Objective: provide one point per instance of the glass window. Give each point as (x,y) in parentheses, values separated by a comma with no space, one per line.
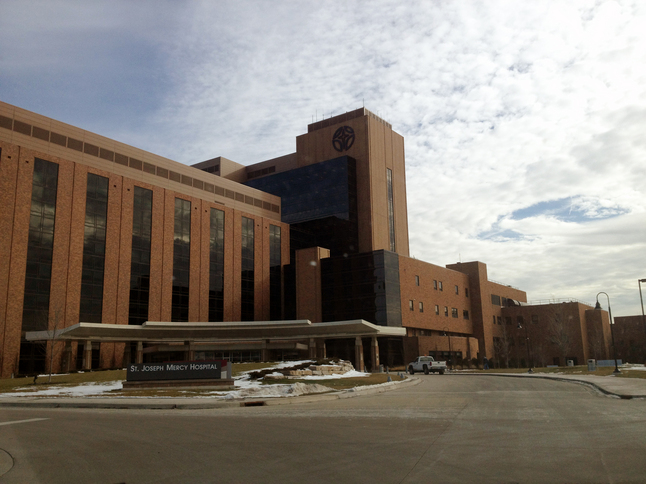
(421,307)
(391,210)
(437,309)
(247,279)
(434,284)
(181,260)
(140,261)
(457,290)
(446,311)
(275,274)
(417,280)
(216,266)
(96,216)
(465,314)
(441,286)
(495,300)
(40,246)
(454,312)
(466,292)
(411,305)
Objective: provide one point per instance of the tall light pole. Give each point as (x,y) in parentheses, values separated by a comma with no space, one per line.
(520,326)
(612,332)
(639,281)
(446,333)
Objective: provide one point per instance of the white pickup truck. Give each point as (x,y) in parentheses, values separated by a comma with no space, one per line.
(428,365)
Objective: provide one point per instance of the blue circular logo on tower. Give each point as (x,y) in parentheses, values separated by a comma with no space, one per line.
(343,138)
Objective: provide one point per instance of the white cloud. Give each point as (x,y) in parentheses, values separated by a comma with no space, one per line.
(503,106)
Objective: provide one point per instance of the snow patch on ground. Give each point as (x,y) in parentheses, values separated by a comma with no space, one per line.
(244,387)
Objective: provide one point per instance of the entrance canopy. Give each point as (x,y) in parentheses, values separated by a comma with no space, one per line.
(160,331)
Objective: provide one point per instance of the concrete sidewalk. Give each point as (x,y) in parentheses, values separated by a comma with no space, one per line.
(621,387)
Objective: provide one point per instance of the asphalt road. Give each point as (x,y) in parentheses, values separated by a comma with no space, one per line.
(464,429)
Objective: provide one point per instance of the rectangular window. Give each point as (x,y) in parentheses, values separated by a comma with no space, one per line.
(465,314)
(454,312)
(247,279)
(142,216)
(437,309)
(535,318)
(275,274)
(466,292)
(421,307)
(411,305)
(499,320)
(434,284)
(391,209)
(216,265)
(457,290)
(40,246)
(495,300)
(441,286)
(417,280)
(96,216)
(520,320)
(181,261)
(446,311)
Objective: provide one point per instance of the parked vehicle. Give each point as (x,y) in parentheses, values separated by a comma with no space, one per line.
(427,364)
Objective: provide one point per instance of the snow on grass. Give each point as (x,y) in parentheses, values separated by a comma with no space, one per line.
(244,386)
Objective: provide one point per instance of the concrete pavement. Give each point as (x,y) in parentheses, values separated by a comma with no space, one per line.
(625,388)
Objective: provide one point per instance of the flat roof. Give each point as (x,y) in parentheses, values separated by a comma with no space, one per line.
(161,331)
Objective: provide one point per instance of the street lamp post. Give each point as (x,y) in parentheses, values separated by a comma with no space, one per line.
(446,333)
(612,332)
(520,326)
(639,281)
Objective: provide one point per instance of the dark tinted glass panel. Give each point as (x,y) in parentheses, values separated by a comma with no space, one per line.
(96,216)
(275,279)
(140,261)
(247,280)
(40,246)
(364,286)
(216,266)
(319,202)
(181,260)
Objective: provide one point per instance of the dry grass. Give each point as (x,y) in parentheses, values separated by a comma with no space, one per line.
(72,379)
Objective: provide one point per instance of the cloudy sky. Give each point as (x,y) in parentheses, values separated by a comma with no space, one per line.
(524,122)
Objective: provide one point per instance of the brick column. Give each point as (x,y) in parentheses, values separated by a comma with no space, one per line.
(358,354)
(140,352)
(264,351)
(320,350)
(87,355)
(312,348)
(374,354)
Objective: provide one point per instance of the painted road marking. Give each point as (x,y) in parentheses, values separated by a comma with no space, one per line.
(22,421)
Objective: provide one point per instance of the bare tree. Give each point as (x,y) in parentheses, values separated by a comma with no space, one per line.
(596,343)
(54,350)
(560,332)
(503,344)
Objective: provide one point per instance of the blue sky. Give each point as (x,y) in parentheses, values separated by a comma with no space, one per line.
(524,122)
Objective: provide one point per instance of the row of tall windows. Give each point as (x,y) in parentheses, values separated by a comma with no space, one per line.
(142,216)
(216,269)
(275,279)
(96,217)
(391,210)
(181,260)
(40,247)
(247,279)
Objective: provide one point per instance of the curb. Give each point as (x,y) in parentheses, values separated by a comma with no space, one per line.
(151,404)
(623,396)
